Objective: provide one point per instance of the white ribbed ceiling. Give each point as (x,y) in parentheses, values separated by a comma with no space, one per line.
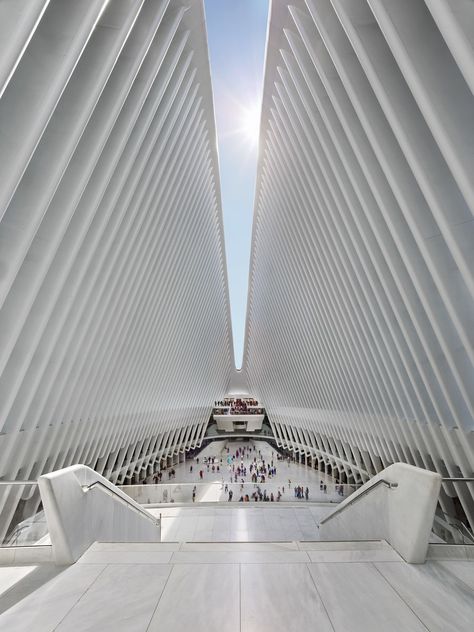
(114,325)
(360,321)
(115,333)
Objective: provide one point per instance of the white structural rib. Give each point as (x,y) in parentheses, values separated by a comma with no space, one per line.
(360,321)
(115,333)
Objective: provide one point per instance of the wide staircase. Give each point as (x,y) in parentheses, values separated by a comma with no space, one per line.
(368,560)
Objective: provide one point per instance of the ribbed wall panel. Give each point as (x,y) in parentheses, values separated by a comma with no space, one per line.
(115,333)
(360,321)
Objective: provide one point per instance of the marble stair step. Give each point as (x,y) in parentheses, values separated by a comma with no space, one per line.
(239,552)
(366,545)
(337,586)
(450,552)
(38,554)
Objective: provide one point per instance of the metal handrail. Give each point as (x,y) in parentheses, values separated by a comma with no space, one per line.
(130,503)
(15,534)
(457,480)
(363,493)
(18,483)
(466,534)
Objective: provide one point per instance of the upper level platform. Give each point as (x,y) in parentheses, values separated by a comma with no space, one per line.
(238,413)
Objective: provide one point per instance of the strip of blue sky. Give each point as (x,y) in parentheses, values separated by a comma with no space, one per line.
(236,34)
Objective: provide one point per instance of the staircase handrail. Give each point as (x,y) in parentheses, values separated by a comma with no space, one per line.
(129,503)
(351,500)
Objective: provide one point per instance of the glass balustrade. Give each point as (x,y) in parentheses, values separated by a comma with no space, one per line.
(22,519)
(451,525)
(215,492)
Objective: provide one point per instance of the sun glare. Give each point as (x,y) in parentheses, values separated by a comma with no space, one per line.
(250,124)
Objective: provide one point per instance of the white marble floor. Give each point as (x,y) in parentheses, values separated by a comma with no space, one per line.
(247,587)
(247,522)
(243,567)
(288,475)
(262,522)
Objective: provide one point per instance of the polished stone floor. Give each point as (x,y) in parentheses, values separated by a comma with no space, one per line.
(291,519)
(247,587)
(288,475)
(243,567)
(262,522)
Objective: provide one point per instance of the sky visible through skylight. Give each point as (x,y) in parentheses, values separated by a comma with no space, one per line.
(236,34)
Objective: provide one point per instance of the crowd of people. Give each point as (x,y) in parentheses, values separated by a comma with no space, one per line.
(157,476)
(237,406)
(237,401)
(245,472)
(212,464)
(260,472)
(300,492)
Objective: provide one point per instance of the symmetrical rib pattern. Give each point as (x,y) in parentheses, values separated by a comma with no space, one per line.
(360,322)
(115,334)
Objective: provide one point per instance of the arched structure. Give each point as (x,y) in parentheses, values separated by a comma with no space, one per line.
(359,337)
(115,333)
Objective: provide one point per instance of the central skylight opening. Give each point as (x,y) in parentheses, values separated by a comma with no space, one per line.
(236,35)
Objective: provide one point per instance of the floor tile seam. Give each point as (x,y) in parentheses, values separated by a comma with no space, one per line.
(80,597)
(159,599)
(234,562)
(201,563)
(242,549)
(264,563)
(139,550)
(400,561)
(121,562)
(246,541)
(353,561)
(387,581)
(321,599)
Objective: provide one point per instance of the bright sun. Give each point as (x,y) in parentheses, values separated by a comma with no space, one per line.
(250,124)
